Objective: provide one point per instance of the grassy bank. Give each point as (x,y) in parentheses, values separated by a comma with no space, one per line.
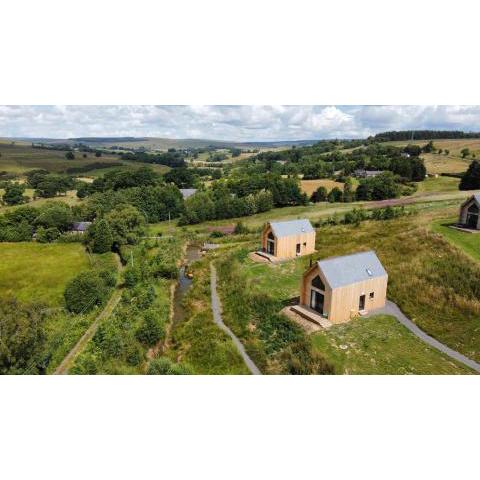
(197,341)
(381,346)
(468,242)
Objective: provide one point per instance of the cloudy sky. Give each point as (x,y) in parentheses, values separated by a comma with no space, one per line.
(235,123)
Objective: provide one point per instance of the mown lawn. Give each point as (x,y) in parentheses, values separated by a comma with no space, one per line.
(380,345)
(468,242)
(34,272)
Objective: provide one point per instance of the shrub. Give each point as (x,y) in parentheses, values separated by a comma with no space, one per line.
(164,366)
(85,291)
(152,329)
(47,235)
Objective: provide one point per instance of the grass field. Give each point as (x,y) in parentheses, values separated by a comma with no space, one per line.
(380,345)
(438,185)
(70,199)
(434,283)
(35,272)
(468,242)
(309,186)
(21,157)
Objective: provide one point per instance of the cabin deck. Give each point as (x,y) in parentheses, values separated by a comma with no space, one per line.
(311,315)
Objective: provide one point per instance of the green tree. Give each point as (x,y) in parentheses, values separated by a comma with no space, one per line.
(471,178)
(47,235)
(98,154)
(126,224)
(348,194)
(100,236)
(70,155)
(335,195)
(22,337)
(319,195)
(465,152)
(14,194)
(85,291)
(152,329)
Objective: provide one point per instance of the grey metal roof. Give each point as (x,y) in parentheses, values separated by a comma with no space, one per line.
(187,192)
(475,196)
(340,271)
(291,227)
(81,226)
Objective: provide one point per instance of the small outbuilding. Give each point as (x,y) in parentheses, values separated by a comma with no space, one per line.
(281,240)
(470,213)
(80,227)
(340,288)
(188,192)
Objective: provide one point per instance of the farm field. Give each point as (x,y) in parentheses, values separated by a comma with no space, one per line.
(438,185)
(380,345)
(70,198)
(35,272)
(309,186)
(19,158)
(468,242)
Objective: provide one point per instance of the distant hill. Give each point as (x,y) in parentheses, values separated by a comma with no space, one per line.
(152,143)
(422,135)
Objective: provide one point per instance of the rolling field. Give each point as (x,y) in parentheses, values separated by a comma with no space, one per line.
(438,185)
(309,186)
(19,158)
(468,242)
(70,199)
(35,272)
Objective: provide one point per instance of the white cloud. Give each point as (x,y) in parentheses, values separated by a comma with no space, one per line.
(237,123)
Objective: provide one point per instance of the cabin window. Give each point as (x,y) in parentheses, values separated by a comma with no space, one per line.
(372,295)
(298,248)
(317,283)
(304,244)
(473,208)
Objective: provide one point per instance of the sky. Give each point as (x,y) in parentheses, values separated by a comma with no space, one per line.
(231,123)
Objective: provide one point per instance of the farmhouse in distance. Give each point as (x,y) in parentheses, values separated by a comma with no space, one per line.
(340,288)
(292,238)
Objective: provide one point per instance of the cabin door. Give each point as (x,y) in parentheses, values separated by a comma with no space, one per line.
(271,247)
(316,301)
(361,303)
(298,249)
(472,216)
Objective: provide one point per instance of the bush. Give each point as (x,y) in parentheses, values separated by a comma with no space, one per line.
(240,228)
(47,235)
(152,329)
(164,366)
(85,291)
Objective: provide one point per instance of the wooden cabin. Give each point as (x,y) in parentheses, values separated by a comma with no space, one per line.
(469,213)
(281,240)
(340,288)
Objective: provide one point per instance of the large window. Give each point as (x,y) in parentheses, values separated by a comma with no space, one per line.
(317,283)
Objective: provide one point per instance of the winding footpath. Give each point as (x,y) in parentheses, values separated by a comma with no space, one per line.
(72,355)
(217,318)
(392,308)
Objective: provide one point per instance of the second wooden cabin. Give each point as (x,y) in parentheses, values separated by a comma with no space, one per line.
(340,288)
(288,239)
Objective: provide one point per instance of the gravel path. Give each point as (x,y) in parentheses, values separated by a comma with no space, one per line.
(392,309)
(217,318)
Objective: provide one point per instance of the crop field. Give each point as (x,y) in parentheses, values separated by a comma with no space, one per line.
(34,272)
(309,186)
